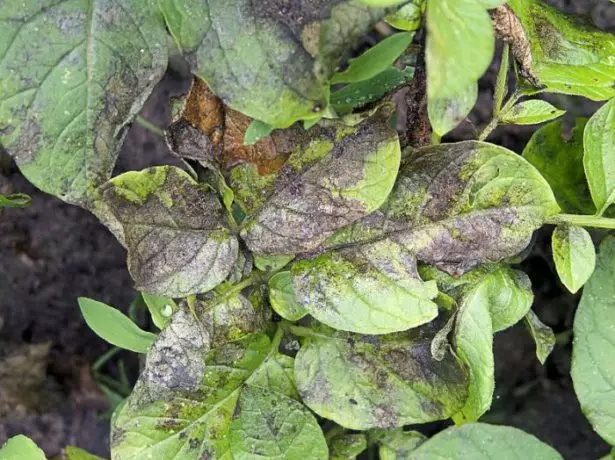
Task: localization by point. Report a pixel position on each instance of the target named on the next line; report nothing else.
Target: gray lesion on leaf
(175, 232)
(310, 200)
(189, 142)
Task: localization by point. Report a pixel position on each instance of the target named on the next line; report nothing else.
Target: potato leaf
(338, 174)
(371, 289)
(21, 447)
(73, 76)
(531, 112)
(363, 382)
(593, 369)
(375, 60)
(115, 327)
(445, 113)
(542, 334)
(480, 441)
(599, 158)
(256, 131)
(456, 54)
(409, 17)
(161, 308)
(75, 453)
(347, 446)
(175, 231)
(568, 56)
(16, 200)
(216, 387)
(574, 255)
(396, 444)
(551, 145)
(282, 297)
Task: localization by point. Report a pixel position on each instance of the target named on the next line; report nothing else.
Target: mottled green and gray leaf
(175, 230)
(574, 255)
(73, 75)
(363, 382)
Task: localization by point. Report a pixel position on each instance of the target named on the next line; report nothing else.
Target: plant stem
(501, 84)
(496, 120)
(102, 360)
(151, 127)
(582, 221)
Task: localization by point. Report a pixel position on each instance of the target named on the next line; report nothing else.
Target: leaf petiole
(582, 221)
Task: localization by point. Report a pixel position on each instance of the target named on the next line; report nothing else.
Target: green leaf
(568, 55)
(599, 158)
(216, 387)
(549, 146)
(16, 200)
(531, 112)
(73, 76)
(363, 382)
(21, 447)
(445, 113)
(347, 446)
(282, 297)
(456, 55)
(75, 453)
(326, 185)
(161, 308)
(115, 327)
(574, 255)
(409, 17)
(373, 289)
(267, 62)
(359, 94)
(375, 60)
(175, 231)
(382, 3)
(272, 263)
(491, 298)
(480, 441)
(542, 334)
(396, 444)
(593, 368)
(256, 131)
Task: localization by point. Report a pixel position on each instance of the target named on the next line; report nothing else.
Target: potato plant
(324, 271)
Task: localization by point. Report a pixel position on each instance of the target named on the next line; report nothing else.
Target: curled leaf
(542, 334)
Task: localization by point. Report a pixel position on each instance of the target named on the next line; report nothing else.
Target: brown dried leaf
(508, 28)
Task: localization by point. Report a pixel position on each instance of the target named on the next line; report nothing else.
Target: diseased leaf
(115, 327)
(551, 146)
(371, 289)
(542, 334)
(459, 205)
(456, 55)
(409, 17)
(347, 446)
(363, 382)
(72, 77)
(21, 447)
(574, 255)
(593, 368)
(490, 298)
(599, 158)
(531, 112)
(282, 297)
(267, 62)
(338, 174)
(161, 308)
(175, 231)
(375, 60)
(480, 441)
(216, 388)
(447, 112)
(16, 200)
(567, 56)
(359, 94)
(272, 263)
(396, 444)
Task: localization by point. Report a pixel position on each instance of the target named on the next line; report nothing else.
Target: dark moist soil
(51, 253)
